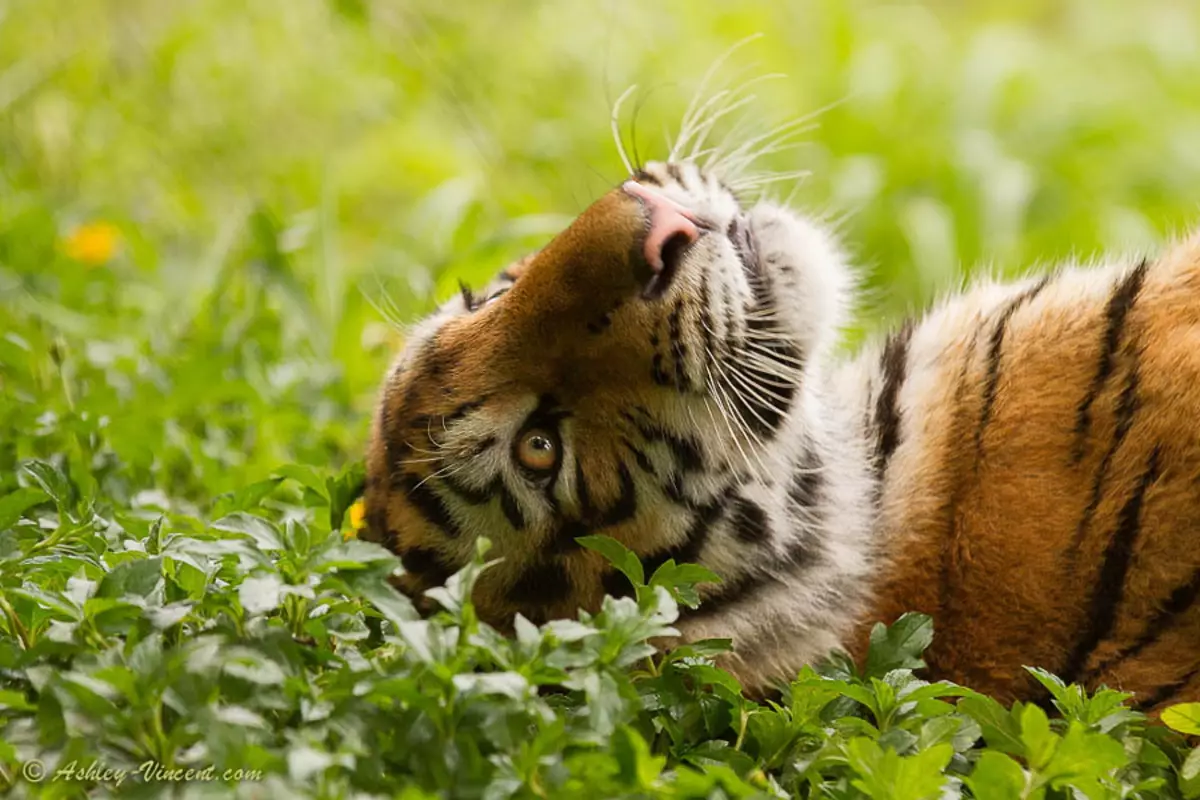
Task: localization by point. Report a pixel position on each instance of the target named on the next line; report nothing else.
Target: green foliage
(272, 644)
(211, 215)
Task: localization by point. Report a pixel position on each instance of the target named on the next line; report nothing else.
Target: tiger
(1020, 461)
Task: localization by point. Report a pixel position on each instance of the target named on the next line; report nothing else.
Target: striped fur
(1022, 462)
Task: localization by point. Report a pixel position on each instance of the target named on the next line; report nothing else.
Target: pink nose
(668, 220)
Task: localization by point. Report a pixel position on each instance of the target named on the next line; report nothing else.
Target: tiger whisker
(690, 114)
(615, 122)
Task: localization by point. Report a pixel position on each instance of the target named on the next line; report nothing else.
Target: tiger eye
(537, 450)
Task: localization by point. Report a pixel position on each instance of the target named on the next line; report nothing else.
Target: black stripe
(643, 461)
(1182, 599)
(805, 488)
(463, 410)
(604, 321)
(727, 304)
(749, 522)
(673, 489)
(543, 584)
(995, 350)
(755, 580)
(396, 447)
(476, 450)
(427, 564)
(675, 173)
(468, 297)
(1110, 584)
(1167, 691)
(377, 528)
(625, 506)
(435, 359)
(1127, 405)
(641, 176)
(512, 509)
(684, 449)
(469, 494)
(582, 493)
(894, 365)
(706, 323)
(678, 348)
(621, 510)
(428, 504)
(688, 551)
(1119, 304)
(657, 373)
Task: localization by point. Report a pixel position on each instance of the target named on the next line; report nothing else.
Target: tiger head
(653, 374)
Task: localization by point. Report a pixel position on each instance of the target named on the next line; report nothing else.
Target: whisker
(690, 114)
(615, 122)
(732, 413)
(727, 415)
(703, 130)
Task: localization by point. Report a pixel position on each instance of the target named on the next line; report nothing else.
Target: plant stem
(15, 622)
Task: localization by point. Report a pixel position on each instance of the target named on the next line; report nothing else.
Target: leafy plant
(134, 651)
(212, 215)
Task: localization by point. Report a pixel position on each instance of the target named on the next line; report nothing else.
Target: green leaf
(138, 578)
(354, 555)
(899, 646)
(886, 774)
(1068, 699)
(618, 555)
(1082, 759)
(1190, 770)
(261, 594)
(1036, 737)
(309, 477)
(54, 483)
(637, 768)
(55, 602)
(14, 701)
(1001, 729)
(1184, 718)
(997, 777)
(374, 587)
(264, 533)
(13, 505)
(681, 580)
(244, 499)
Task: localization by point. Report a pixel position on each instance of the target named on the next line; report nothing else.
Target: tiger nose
(668, 221)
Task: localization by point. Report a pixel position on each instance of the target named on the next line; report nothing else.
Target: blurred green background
(209, 209)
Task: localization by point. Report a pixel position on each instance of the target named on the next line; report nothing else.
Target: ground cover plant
(211, 215)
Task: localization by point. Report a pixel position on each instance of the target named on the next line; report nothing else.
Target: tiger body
(1021, 463)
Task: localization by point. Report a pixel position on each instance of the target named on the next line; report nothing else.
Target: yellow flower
(94, 243)
(355, 513)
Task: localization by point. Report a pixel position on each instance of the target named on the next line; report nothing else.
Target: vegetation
(211, 215)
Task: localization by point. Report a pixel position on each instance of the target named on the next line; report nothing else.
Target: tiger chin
(1022, 462)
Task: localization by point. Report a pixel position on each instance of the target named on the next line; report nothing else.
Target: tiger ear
(515, 270)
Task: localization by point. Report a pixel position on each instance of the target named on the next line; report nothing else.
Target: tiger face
(649, 375)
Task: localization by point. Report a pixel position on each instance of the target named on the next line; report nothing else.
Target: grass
(210, 211)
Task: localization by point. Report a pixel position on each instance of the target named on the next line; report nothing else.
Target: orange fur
(1037, 526)
(1003, 586)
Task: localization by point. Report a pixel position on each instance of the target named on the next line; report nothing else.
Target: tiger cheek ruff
(1020, 462)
